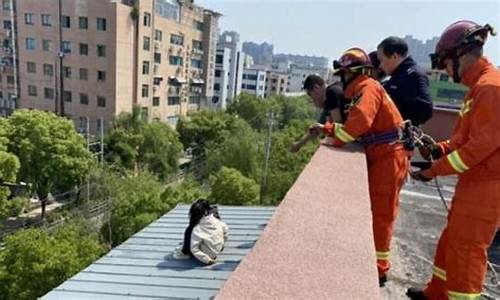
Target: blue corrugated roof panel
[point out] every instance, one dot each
(143, 268)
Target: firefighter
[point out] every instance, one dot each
(373, 121)
(473, 152)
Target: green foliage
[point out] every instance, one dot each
(9, 166)
(230, 187)
(204, 127)
(284, 166)
(241, 148)
(295, 109)
(253, 109)
(135, 144)
(35, 261)
(136, 202)
(186, 192)
(52, 154)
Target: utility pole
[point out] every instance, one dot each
(87, 133)
(102, 142)
(263, 183)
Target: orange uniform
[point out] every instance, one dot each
(473, 153)
(374, 113)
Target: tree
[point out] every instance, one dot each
(284, 166)
(52, 154)
(9, 166)
(295, 108)
(253, 109)
(241, 148)
(230, 187)
(204, 127)
(136, 202)
(34, 261)
(135, 144)
(186, 192)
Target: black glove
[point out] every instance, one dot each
(430, 151)
(421, 175)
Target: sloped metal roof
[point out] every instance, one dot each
(143, 268)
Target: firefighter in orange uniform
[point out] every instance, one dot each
(473, 152)
(373, 120)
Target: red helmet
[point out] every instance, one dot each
(457, 39)
(352, 59)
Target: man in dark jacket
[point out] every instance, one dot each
(408, 85)
(330, 99)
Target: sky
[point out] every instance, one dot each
(328, 27)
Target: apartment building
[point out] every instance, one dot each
(254, 81)
(91, 60)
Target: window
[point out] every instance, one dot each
(197, 45)
(147, 19)
(251, 87)
(46, 20)
(65, 22)
(101, 75)
(101, 101)
(67, 72)
(145, 91)
(175, 60)
(47, 45)
(173, 120)
(101, 50)
(198, 25)
(83, 23)
(84, 99)
(48, 93)
(218, 59)
(158, 35)
(196, 63)
(157, 80)
(67, 96)
(6, 4)
(66, 47)
(195, 99)
(10, 79)
(146, 43)
(251, 77)
(174, 100)
(217, 73)
(30, 44)
(156, 101)
(7, 25)
(261, 77)
(31, 67)
(217, 87)
(145, 67)
(28, 19)
(101, 24)
(176, 39)
(158, 58)
(48, 70)
(84, 49)
(84, 74)
(32, 90)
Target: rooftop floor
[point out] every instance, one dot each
(143, 267)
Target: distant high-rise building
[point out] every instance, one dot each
(420, 50)
(229, 62)
(262, 54)
(254, 81)
(91, 60)
(301, 60)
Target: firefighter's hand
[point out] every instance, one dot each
(423, 176)
(430, 151)
(318, 127)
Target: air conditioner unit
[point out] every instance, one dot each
(157, 45)
(178, 70)
(155, 88)
(179, 51)
(156, 67)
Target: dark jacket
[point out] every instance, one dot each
(334, 99)
(409, 89)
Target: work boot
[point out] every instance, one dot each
(416, 294)
(382, 280)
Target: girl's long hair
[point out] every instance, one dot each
(198, 210)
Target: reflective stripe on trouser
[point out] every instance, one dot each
(386, 174)
(463, 245)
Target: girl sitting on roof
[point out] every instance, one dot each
(206, 234)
